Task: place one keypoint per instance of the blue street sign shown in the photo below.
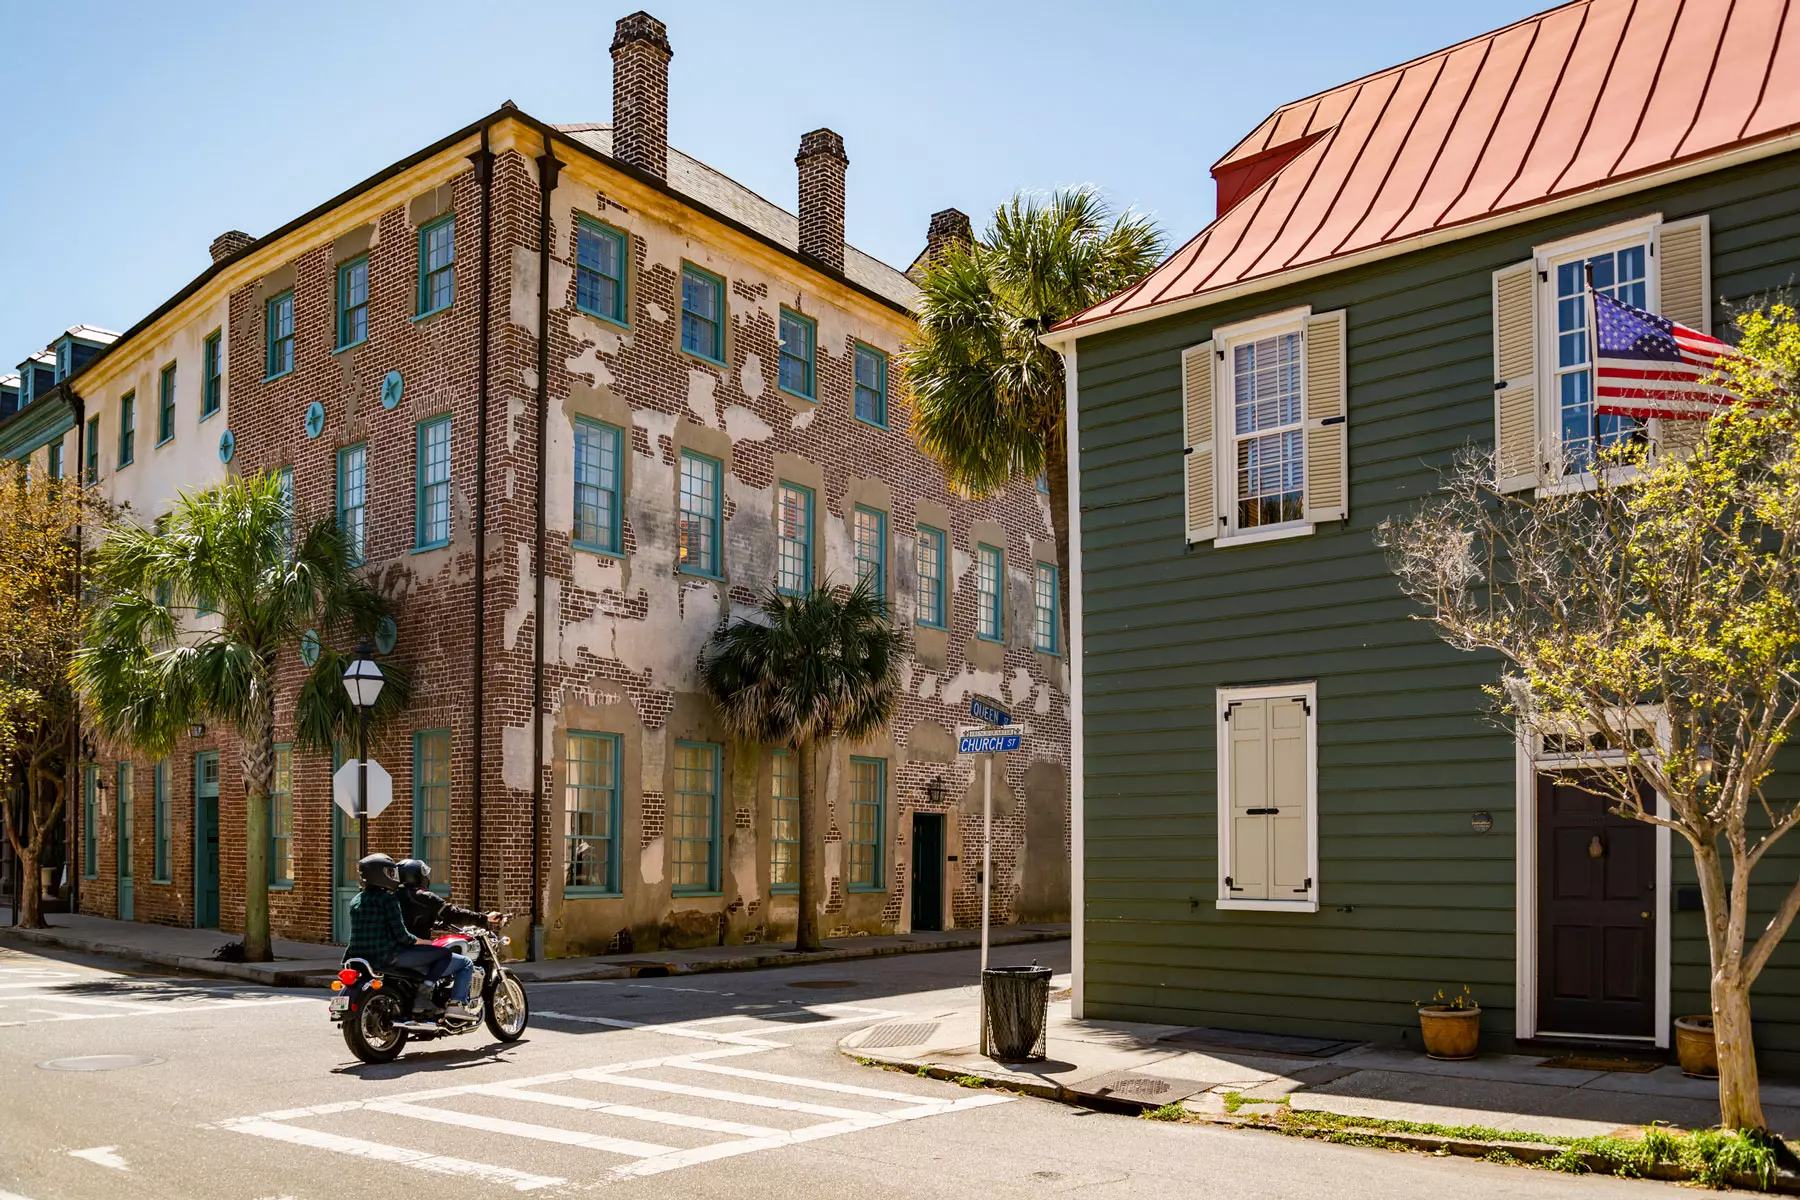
(989, 741)
(981, 710)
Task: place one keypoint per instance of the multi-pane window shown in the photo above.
(784, 823)
(431, 521)
(353, 302)
(278, 331)
(702, 305)
(798, 334)
(701, 497)
(597, 524)
(868, 819)
(353, 499)
(160, 824)
(600, 270)
(1044, 605)
(431, 803)
(90, 822)
(1269, 431)
(694, 818)
(285, 480)
(871, 385)
(793, 539)
(165, 405)
(1620, 274)
(990, 621)
(56, 459)
(281, 819)
(869, 533)
(91, 447)
(591, 813)
(437, 265)
(932, 598)
(212, 373)
(127, 428)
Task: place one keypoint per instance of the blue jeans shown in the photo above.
(459, 969)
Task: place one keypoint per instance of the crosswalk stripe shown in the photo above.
(522, 1129)
(441, 1164)
(631, 1111)
(602, 1075)
(817, 1085)
(734, 1039)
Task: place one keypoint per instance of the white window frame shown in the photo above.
(1225, 436)
(1545, 259)
(1307, 691)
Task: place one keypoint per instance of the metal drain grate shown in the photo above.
(884, 1036)
(1145, 1089)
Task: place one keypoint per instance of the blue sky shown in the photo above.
(135, 133)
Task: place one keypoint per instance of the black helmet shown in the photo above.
(377, 871)
(414, 872)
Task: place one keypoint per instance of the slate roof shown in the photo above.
(1571, 100)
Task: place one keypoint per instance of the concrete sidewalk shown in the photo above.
(309, 964)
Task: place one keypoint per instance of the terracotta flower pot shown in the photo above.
(1450, 1033)
(1695, 1048)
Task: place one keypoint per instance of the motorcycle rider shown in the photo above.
(425, 910)
(380, 937)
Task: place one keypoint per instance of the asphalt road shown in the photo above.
(698, 1086)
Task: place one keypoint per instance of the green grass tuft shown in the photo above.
(1168, 1112)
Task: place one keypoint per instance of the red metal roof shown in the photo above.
(1571, 100)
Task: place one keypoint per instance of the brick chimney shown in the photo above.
(229, 243)
(950, 225)
(822, 164)
(640, 53)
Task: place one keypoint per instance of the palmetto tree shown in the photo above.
(988, 400)
(803, 672)
(153, 661)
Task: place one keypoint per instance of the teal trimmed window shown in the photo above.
(868, 824)
(127, 428)
(1044, 605)
(591, 815)
(784, 822)
(431, 518)
(285, 481)
(1043, 483)
(212, 373)
(702, 313)
(600, 270)
(55, 454)
(353, 499)
(437, 265)
(694, 818)
(932, 597)
(281, 819)
(431, 804)
(702, 513)
(160, 824)
(990, 618)
(126, 799)
(799, 336)
(353, 302)
(868, 529)
(597, 510)
(90, 821)
(871, 385)
(165, 405)
(793, 539)
(278, 333)
(91, 447)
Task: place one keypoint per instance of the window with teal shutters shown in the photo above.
(798, 335)
(352, 496)
(869, 529)
(600, 270)
(212, 373)
(871, 385)
(990, 620)
(165, 393)
(591, 815)
(127, 428)
(793, 539)
(702, 313)
(597, 512)
(281, 819)
(159, 820)
(431, 804)
(278, 332)
(437, 265)
(868, 824)
(431, 523)
(353, 302)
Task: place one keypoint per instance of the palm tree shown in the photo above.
(149, 666)
(988, 399)
(805, 671)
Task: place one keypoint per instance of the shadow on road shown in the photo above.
(420, 1061)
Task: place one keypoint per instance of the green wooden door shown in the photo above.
(206, 839)
(126, 804)
(344, 841)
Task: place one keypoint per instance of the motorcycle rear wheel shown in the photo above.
(508, 1012)
(370, 1032)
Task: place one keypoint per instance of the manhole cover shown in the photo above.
(822, 984)
(883, 1036)
(100, 1062)
(1146, 1089)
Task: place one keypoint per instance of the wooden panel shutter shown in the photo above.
(1198, 472)
(1518, 446)
(1247, 865)
(1270, 853)
(1289, 838)
(1327, 409)
(1684, 287)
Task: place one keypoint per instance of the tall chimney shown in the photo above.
(947, 226)
(822, 163)
(640, 53)
(229, 243)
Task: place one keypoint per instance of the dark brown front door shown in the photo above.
(1596, 916)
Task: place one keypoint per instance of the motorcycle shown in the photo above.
(377, 1008)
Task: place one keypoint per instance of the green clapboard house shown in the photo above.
(1294, 811)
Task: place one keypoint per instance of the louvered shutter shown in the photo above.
(1327, 406)
(1197, 462)
(1684, 285)
(1247, 865)
(1519, 455)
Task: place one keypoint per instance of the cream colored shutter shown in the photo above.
(1198, 456)
(1247, 866)
(1327, 406)
(1684, 287)
(1518, 447)
(1289, 837)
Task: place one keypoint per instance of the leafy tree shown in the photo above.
(988, 397)
(1653, 622)
(805, 671)
(194, 616)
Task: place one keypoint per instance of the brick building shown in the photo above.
(568, 490)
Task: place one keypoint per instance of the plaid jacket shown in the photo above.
(377, 930)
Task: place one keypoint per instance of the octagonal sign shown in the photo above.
(381, 788)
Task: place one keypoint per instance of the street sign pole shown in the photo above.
(996, 738)
(987, 881)
(362, 783)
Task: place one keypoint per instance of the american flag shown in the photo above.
(1649, 366)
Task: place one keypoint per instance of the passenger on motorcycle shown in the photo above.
(380, 937)
(425, 910)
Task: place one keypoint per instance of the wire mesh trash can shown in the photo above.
(1015, 1002)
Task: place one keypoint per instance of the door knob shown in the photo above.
(1644, 915)
(1596, 847)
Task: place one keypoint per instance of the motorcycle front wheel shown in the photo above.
(508, 1012)
(370, 1032)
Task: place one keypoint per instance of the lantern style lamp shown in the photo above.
(363, 682)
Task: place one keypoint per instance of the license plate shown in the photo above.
(340, 1003)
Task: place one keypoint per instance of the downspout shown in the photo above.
(484, 174)
(72, 775)
(548, 169)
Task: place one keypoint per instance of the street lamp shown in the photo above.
(363, 681)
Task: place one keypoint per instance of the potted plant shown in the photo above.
(1695, 1048)
(1451, 1026)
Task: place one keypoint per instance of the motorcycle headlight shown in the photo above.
(505, 941)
